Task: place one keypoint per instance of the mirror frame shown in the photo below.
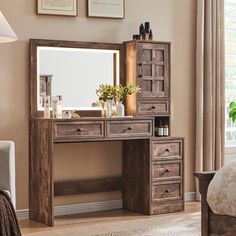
(35, 43)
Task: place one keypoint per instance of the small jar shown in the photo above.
(67, 114)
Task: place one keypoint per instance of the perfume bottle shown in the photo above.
(55, 107)
(47, 107)
(60, 107)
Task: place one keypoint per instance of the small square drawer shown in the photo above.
(78, 130)
(166, 170)
(166, 191)
(157, 107)
(127, 129)
(169, 149)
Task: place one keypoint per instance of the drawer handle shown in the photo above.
(130, 128)
(167, 191)
(79, 130)
(167, 170)
(153, 107)
(167, 150)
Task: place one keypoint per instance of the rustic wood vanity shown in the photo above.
(152, 180)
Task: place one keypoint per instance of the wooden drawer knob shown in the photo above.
(167, 170)
(167, 150)
(153, 107)
(130, 128)
(79, 130)
(167, 191)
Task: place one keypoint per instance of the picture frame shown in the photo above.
(106, 9)
(57, 7)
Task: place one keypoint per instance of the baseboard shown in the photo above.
(189, 197)
(90, 207)
(77, 208)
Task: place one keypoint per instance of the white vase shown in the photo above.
(120, 109)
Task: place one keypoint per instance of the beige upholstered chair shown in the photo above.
(7, 169)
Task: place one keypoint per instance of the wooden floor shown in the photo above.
(64, 222)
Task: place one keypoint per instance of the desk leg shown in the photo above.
(41, 190)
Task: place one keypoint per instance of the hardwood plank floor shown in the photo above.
(87, 219)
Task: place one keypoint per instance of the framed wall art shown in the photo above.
(57, 7)
(106, 8)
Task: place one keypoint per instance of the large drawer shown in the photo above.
(169, 149)
(154, 108)
(168, 191)
(127, 129)
(78, 130)
(166, 170)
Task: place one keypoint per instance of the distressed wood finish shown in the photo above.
(78, 130)
(136, 175)
(167, 156)
(167, 150)
(87, 186)
(167, 207)
(168, 191)
(153, 176)
(34, 43)
(146, 190)
(148, 66)
(129, 128)
(168, 170)
(162, 108)
(41, 172)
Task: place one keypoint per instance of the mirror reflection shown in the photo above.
(75, 74)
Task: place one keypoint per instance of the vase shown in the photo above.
(120, 109)
(108, 107)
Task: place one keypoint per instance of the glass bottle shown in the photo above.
(55, 106)
(46, 107)
(60, 107)
(120, 109)
(160, 129)
(166, 129)
(108, 107)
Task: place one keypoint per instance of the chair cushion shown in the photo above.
(221, 195)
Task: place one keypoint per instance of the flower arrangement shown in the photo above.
(121, 92)
(105, 91)
(118, 92)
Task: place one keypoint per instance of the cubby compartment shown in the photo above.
(164, 120)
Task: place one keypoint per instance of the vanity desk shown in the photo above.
(152, 180)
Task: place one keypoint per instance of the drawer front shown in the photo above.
(167, 192)
(154, 108)
(126, 129)
(78, 130)
(164, 150)
(166, 207)
(162, 171)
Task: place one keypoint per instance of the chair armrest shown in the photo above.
(204, 180)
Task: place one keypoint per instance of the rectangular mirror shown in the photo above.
(73, 70)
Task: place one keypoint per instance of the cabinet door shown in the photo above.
(153, 66)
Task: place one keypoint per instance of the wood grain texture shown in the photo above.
(129, 128)
(41, 190)
(136, 175)
(167, 170)
(147, 64)
(87, 186)
(76, 130)
(162, 108)
(35, 43)
(204, 180)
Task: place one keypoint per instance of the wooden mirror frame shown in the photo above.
(34, 43)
